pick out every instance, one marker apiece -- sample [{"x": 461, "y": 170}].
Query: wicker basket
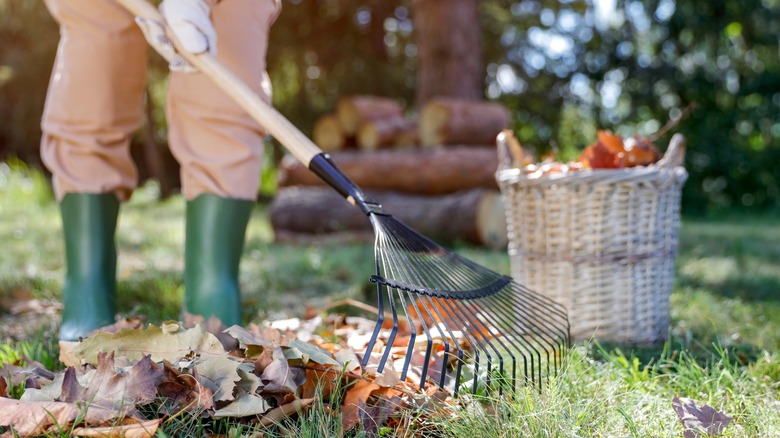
[{"x": 601, "y": 242}]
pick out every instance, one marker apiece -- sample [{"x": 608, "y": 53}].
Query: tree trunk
[
  {"x": 456, "y": 121},
  {"x": 428, "y": 171},
  {"x": 448, "y": 38},
  {"x": 475, "y": 216}
]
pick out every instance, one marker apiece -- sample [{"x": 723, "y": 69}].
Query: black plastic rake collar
[
  {"x": 322, "y": 166},
  {"x": 496, "y": 286}
]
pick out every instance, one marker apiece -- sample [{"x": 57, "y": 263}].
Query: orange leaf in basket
[
  {"x": 638, "y": 152},
  {"x": 597, "y": 156},
  {"x": 613, "y": 142}
]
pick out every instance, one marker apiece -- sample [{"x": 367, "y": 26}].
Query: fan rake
[{"x": 459, "y": 313}]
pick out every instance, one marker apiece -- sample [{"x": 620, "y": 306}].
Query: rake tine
[
  {"x": 464, "y": 320},
  {"x": 412, "y": 336},
  {"x": 402, "y": 274},
  {"x": 467, "y": 303},
  {"x": 471, "y": 306},
  {"x": 377, "y": 327},
  {"x": 429, "y": 342},
  {"x": 478, "y": 345},
  {"x": 533, "y": 323},
  {"x": 393, "y": 332}
]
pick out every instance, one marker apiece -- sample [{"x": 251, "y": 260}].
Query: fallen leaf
[
  {"x": 185, "y": 389},
  {"x": 321, "y": 382},
  {"x": 168, "y": 342},
  {"x": 133, "y": 323},
  {"x": 244, "y": 405},
  {"x": 279, "y": 413},
  {"x": 375, "y": 416},
  {"x": 220, "y": 374},
  {"x": 145, "y": 429},
  {"x": 40, "y": 307},
  {"x": 279, "y": 377},
  {"x": 355, "y": 402},
  {"x": 122, "y": 391},
  {"x": 250, "y": 382},
  {"x": 253, "y": 344},
  {"x": 309, "y": 352},
  {"x": 35, "y": 418},
  {"x": 3, "y": 387},
  {"x": 53, "y": 390},
  {"x": 18, "y": 375},
  {"x": 348, "y": 359},
  {"x": 699, "y": 421}
]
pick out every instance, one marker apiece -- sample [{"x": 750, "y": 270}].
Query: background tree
[
  {"x": 565, "y": 68},
  {"x": 449, "y": 49}
]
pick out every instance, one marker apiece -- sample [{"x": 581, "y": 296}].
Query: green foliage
[{"x": 632, "y": 68}]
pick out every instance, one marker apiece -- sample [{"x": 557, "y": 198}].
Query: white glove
[
  {"x": 154, "y": 31},
  {"x": 190, "y": 22}
]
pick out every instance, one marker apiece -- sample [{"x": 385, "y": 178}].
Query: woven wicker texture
[{"x": 601, "y": 242}]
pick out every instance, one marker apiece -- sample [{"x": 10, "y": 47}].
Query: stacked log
[
  {"x": 430, "y": 173},
  {"x": 328, "y": 133},
  {"x": 458, "y": 121},
  {"x": 475, "y": 216},
  {"x": 435, "y": 171}
]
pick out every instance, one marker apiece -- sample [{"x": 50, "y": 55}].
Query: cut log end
[
  {"x": 354, "y": 110},
  {"x": 457, "y": 121},
  {"x": 385, "y": 133},
  {"x": 328, "y": 134}
]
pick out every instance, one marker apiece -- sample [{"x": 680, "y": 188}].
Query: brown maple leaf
[
  {"x": 699, "y": 421},
  {"x": 184, "y": 389}
]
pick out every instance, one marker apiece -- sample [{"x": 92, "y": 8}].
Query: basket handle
[
  {"x": 675, "y": 153},
  {"x": 510, "y": 154}
]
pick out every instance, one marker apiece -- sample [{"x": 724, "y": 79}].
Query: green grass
[{"x": 722, "y": 351}]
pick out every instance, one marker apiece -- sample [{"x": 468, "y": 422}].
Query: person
[{"x": 94, "y": 104}]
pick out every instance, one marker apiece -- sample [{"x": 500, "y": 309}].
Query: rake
[{"x": 460, "y": 315}]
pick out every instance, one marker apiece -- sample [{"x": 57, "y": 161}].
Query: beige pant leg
[
  {"x": 219, "y": 146},
  {"x": 94, "y": 98}
]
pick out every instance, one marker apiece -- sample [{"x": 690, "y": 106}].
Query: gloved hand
[{"x": 190, "y": 22}]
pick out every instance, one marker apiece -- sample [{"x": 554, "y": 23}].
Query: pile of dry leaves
[{"x": 256, "y": 375}]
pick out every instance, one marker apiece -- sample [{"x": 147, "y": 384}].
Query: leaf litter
[{"x": 260, "y": 374}]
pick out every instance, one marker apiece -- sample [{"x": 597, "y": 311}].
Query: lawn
[{"x": 722, "y": 350}]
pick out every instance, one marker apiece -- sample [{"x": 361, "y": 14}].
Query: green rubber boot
[
  {"x": 214, "y": 242},
  {"x": 89, "y": 223}
]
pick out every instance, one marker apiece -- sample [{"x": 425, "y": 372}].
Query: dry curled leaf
[
  {"x": 145, "y": 429},
  {"x": 184, "y": 389},
  {"x": 699, "y": 421},
  {"x": 168, "y": 342},
  {"x": 355, "y": 402},
  {"x": 279, "y": 377},
  {"x": 220, "y": 374},
  {"x": 112, "y": 389},
  {"x": 31, "y": 418}
]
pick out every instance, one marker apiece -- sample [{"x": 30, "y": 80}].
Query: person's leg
[
  {"x": 92, "y": 106},
  {"x": 220, "y": 150}
]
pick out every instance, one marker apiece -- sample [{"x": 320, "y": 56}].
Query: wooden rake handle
[{"x": 275, "y": 123}]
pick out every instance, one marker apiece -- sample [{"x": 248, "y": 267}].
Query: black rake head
[{"x": 455, "y": 322}]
